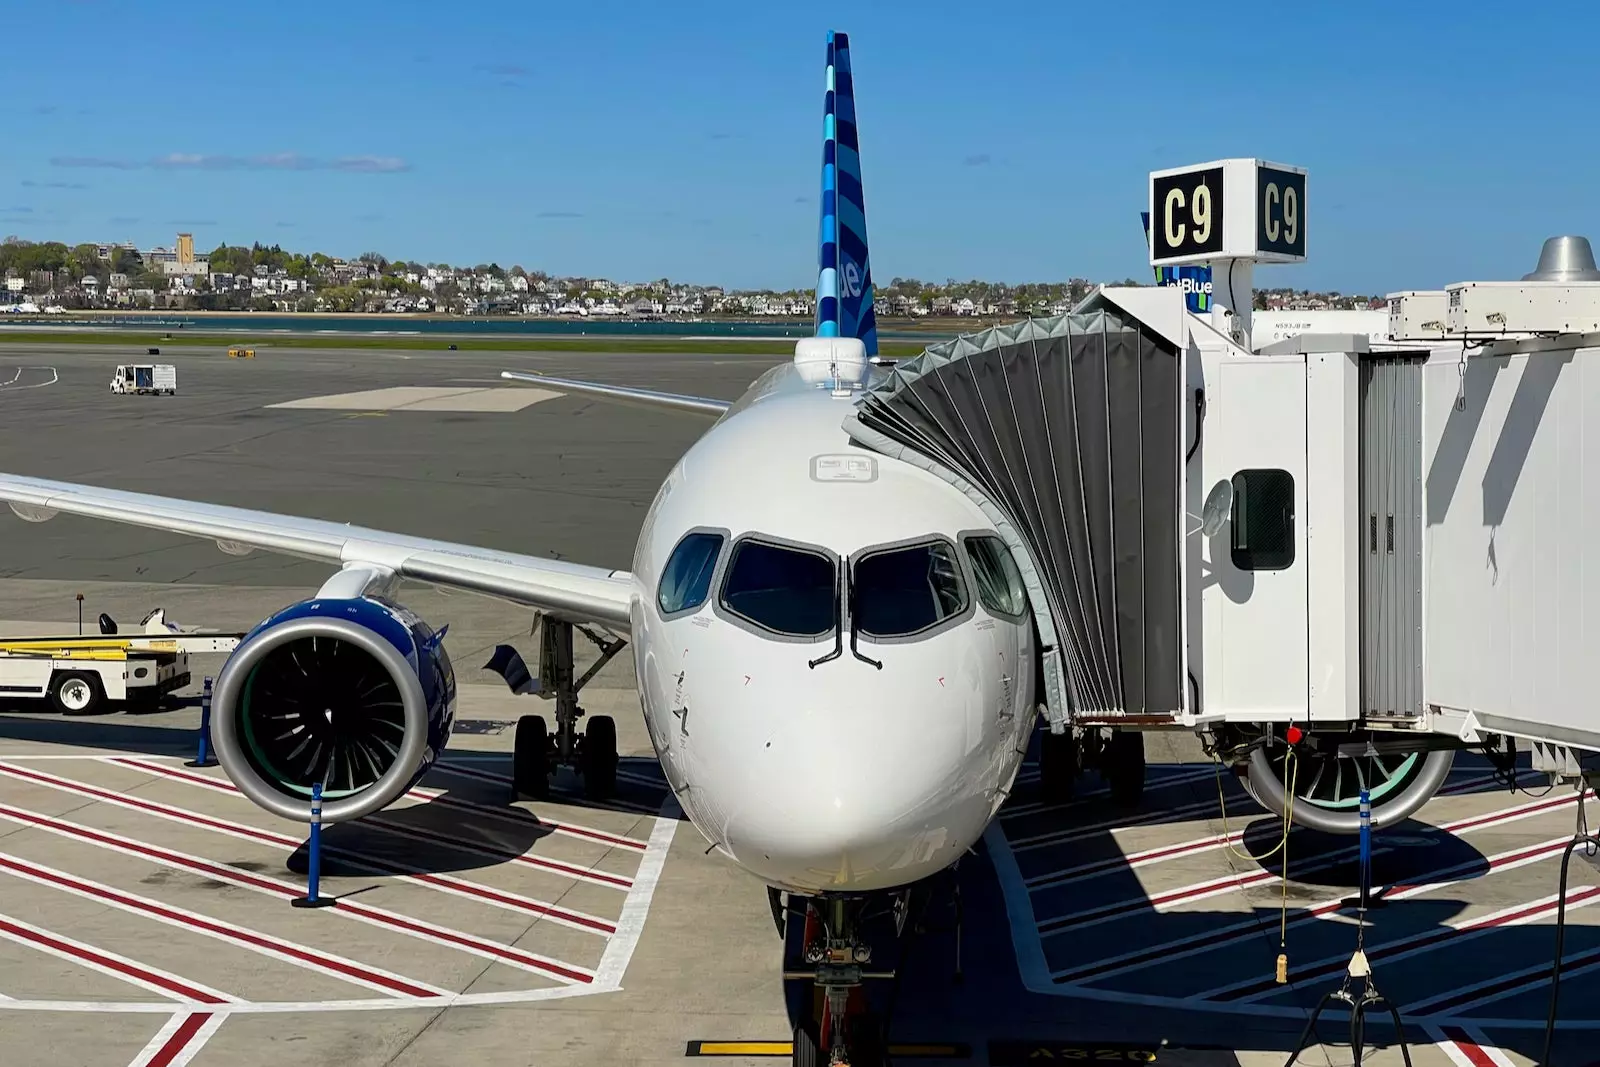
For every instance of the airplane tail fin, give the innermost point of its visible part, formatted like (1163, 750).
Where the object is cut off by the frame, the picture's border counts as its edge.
(844, 278)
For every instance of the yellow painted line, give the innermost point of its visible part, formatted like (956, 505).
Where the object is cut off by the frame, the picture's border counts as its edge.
(786, 1048)
(744, 1048)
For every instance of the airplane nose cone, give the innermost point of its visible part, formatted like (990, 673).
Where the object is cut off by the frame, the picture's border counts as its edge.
(825, 807)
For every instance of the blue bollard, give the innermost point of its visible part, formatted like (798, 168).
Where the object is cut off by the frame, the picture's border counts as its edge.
(314, 865)
(204, 758)
(1366, 848)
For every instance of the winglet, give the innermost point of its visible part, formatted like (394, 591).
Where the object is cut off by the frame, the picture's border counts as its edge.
(844, 278)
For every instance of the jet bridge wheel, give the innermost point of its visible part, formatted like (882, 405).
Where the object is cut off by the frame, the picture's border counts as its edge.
(1327, 785)
(1058, 766)
(1124, 767)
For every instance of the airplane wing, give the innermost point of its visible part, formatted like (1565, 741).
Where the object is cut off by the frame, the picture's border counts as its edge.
(571, 591)
(623, 394)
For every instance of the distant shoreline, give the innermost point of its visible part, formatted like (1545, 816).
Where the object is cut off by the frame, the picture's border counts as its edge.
(944, 325)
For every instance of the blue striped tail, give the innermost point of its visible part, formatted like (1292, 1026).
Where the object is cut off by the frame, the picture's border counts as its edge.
(844, 277)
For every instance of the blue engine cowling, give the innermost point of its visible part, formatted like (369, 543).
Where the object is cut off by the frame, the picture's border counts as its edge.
(357, 694)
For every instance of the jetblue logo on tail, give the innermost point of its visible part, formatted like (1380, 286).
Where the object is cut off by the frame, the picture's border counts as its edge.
(844, 271)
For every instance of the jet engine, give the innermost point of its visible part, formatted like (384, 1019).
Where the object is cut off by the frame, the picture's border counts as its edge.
(1329, 769)
(357, 694)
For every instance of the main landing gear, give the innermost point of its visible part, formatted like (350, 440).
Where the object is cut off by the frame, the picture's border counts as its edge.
(1116, 753)
(538, 752)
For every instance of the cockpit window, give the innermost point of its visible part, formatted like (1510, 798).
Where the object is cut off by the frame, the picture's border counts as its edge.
(1000, 587)
(786, 590)
(686, 579)
(903, 591)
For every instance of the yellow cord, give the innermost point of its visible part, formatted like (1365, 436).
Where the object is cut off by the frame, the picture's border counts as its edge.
(1288, 812)
(1291, 767)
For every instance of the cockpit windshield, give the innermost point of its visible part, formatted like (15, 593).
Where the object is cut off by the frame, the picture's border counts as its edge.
(786, 590)
(900, 592)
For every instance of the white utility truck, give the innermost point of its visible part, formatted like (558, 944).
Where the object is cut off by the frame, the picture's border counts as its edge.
(79, 673)
(146, 378)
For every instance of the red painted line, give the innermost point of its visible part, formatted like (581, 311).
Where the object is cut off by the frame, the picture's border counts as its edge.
(288, 891)
(212, 926)
(1468, 1047)
(1498, 988)
(176, 987)
(267, 837)
(1131, 860)
(1248, 881)
(1437, 879)
(187, 1031)
(433, 796)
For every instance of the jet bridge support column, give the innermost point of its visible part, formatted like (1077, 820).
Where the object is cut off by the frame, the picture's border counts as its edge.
(1233, 298)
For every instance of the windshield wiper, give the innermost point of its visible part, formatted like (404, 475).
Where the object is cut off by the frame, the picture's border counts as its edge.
(855, 626)
(838, 628)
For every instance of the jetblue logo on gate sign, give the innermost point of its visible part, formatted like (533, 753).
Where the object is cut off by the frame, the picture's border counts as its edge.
(1194, 282)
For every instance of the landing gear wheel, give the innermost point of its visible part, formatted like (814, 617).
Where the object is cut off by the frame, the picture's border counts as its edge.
(1058, 766)
(75, 694)
(600, 758)
(1125, 767)
(530, 759)
(805, 1052)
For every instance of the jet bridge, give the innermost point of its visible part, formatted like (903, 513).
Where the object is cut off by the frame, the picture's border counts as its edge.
(1069, 433)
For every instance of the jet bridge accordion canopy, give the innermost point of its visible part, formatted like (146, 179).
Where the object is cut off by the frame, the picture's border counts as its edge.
(1067, 432)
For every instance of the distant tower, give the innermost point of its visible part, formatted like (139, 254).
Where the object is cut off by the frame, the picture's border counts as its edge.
(185, 248)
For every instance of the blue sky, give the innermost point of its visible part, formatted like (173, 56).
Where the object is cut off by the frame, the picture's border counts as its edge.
(1010, 142)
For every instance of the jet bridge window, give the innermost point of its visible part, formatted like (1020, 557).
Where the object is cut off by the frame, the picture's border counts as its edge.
(999, 582)
(1263, 520)
(788, 591)
(686, 579)
(899, 592)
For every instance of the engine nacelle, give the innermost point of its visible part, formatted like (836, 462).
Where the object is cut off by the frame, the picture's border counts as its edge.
(358, 694)
(1327, 786)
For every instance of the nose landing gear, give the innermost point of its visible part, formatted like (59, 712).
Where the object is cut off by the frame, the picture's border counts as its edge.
(839, 1028)
(538, 753)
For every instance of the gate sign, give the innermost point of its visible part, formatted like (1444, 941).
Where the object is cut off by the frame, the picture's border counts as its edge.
(1228, 209)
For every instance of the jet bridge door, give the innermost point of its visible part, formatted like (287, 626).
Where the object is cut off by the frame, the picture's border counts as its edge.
(1067, 432)
(1257, 660)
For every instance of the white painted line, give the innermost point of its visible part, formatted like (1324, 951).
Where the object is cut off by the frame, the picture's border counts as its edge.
(110, 963)
(11, 387)
(240, 936)
(619, 951)
(180, 1040)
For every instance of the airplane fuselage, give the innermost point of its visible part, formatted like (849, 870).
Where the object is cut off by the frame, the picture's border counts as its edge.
(818, 758)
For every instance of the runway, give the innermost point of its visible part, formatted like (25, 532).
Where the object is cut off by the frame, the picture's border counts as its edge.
(146, 921)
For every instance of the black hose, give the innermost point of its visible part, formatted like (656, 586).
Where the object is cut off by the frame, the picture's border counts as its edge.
(1592, 840)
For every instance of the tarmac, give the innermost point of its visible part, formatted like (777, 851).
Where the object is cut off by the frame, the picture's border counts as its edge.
(145, 918)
